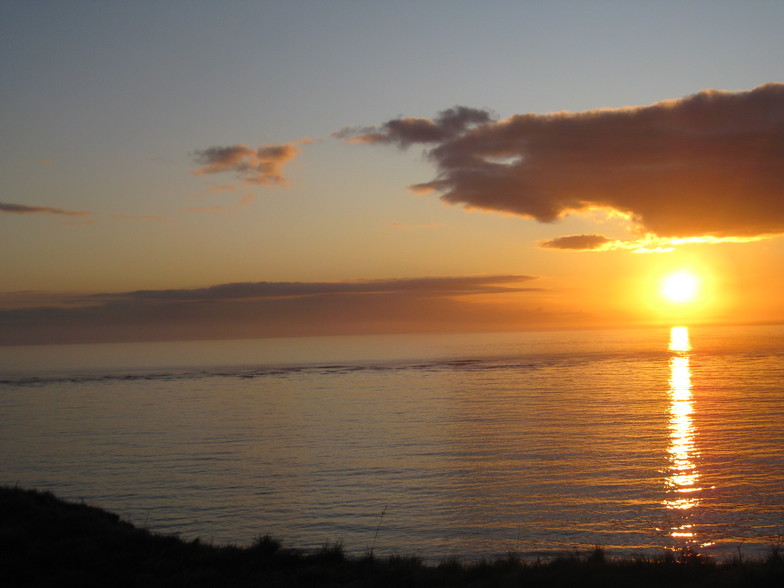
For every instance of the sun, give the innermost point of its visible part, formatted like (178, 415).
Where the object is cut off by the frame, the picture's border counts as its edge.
(680, 287)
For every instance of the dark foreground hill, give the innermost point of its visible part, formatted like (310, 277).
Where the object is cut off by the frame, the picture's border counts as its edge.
(46, 542)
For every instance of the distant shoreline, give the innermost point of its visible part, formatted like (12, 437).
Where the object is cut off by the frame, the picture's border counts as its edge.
(46, 541)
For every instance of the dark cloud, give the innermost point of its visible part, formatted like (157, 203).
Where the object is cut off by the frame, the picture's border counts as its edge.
(407, 131)
(440, 286)
(709, 164)
(262, 165)
(24, 209)
(580, 242)
(266, 309)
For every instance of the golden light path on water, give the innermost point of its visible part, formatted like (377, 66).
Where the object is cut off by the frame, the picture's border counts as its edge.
(683, 479)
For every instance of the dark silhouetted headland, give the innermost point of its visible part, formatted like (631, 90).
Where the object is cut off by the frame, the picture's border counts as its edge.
(45, 541)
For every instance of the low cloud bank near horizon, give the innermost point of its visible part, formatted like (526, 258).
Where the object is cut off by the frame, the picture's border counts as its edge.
(428, 286)
(709, 164)
(269, 309)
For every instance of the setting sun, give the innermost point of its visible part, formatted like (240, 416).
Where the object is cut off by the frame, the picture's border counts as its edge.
(680, 287)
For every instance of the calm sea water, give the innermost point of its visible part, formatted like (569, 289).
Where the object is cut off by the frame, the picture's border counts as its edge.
(470, 445)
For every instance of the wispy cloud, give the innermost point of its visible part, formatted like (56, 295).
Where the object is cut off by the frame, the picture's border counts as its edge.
(24, 209)
(646, 244)
(704, 165)
(262, 165)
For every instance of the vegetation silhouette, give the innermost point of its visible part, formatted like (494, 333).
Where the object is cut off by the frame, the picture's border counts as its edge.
(45, 541)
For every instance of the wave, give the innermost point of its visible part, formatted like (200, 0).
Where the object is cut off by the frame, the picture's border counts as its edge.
(266, 371)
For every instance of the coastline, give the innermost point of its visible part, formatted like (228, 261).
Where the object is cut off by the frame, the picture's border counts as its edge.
(45, 541)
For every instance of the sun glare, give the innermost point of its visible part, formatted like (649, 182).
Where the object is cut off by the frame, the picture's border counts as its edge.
(680, 287)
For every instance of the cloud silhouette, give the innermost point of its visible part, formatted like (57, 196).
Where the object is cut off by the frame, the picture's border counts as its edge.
(648, 243)
(451, 285)
(406, 131)
(260, 309)
(709, 164)
(579, 242)
(24, 209)
(262, 165)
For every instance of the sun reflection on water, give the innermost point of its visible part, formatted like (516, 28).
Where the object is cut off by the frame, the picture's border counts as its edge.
(679, 339)
(683, 477)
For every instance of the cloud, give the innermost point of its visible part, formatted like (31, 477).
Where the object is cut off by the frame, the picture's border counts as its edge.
(646, 244)
(24, 209)
(262, 165)
(709, 164)
(263, 309)
(406, 131)
(440, 286)
(36, 298)
(580, 242)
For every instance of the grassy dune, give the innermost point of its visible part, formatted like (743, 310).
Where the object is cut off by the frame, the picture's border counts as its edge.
(45, 542)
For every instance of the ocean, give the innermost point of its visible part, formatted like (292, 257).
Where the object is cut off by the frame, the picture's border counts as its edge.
(471, 445)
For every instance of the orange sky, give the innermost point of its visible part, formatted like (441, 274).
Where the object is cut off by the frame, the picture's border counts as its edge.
(279, 172)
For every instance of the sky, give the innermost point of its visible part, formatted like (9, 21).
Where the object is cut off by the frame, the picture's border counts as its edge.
(186, 170)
